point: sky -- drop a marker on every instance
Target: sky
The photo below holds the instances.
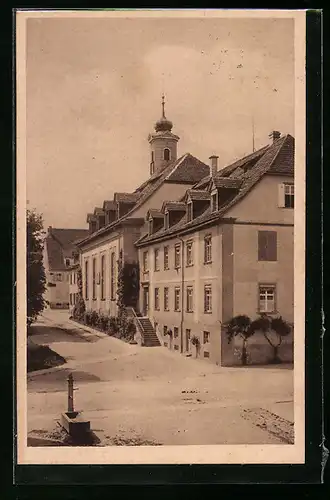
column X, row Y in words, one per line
column 93, row 92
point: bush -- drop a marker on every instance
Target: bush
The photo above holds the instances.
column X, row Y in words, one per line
column 103, row 322
column 113, row 325
column 94, row 318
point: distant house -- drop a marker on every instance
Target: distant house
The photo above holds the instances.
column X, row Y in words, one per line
column 224, row 249
column 73, row 285
column 115, row 226
column 60, row 254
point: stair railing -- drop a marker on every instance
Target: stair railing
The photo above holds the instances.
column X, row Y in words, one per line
column 138, row 324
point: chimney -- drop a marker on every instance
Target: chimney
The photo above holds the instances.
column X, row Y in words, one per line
column 50, row 228
column 213, row 165
column 274, row 135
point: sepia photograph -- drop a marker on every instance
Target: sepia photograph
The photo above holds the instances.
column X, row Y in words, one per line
column 160, row 236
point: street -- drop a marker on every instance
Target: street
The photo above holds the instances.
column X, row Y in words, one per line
column 141, row 395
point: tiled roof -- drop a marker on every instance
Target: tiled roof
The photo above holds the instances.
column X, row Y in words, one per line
column 98, row 211
column 174, row 205
column 270, row 161
column 227, row 182
column 60, row 243
column 190, row 169
column 187, row 169
column 198, row 195
column 126, row 197
column 155, row 214
column 109, row 205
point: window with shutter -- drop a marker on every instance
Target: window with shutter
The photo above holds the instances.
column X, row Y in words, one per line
column 267, row 245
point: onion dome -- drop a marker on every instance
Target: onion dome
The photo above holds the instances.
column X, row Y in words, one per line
column 163, row 125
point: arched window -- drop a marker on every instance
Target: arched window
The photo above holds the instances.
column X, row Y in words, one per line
column 167, row 154
column 152, row 163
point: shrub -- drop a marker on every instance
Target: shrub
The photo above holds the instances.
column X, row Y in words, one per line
column 267, row 325
column 113, row 325
column 240, row 326
column 196, row 342
column 94, row 318
column 102, row 322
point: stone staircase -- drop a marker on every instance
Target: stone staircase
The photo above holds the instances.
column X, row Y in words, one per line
column 145, row 327
column 150, row 338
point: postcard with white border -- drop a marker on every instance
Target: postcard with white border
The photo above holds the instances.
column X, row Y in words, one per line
column 160, row 236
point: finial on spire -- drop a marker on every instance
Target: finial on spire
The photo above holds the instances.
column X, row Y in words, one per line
column 163, row 105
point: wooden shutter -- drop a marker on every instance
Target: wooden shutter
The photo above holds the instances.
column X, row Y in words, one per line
column 281, row 196
column 267, row 245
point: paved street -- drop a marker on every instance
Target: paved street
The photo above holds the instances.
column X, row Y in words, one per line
column 135, row 394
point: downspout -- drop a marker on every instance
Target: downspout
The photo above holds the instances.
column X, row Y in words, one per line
column 182, row 295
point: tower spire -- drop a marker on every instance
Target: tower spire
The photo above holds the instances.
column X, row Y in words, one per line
column 163, row 106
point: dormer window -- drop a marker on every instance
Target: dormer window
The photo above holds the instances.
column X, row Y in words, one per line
column 189, row 211
column 214, row 202
column 166, row 220
column 150, row 226
column 167, row 154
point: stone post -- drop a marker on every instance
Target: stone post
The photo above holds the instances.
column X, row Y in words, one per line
column 70, row 393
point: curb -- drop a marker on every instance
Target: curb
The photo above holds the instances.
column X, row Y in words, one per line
column 35, row 373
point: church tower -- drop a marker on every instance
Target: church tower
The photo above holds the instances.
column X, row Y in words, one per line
column 163, row 144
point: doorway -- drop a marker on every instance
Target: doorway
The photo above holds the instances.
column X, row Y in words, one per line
column 145, row 301
column 188, row 333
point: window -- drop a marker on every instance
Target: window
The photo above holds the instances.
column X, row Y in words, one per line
column 289, row 195
column 150, row 226
column 157, row 299
column 267, row 298
column 177, row 256
column 267, row 245
column 167, row 154
column 165, row 330
column 189, row 252
column 71, row 278
column 67, row 262
column 286, row 195
column 166, row 220
column 190, row 295
column 156, row 255
column 70, row 299
column 177, row 299
column 86, row 279
column 113, row 275
column 206, row 337
column 207, row 249
column 189, row 211
column 166, row 299
column 74, row 278
column 214, row 202
column 94, row 278
column 145, row 262
column 103, row 277
column 58, row 277
column 188, row 334
column 176, row 332
column 207, row 298
column 166, row 266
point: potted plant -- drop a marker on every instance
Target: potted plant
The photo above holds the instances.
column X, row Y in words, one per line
column 196, row 342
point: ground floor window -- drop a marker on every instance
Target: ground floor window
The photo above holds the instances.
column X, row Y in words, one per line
column 188, row 335
column 176, row 332
column 267, row 298
column 206, row 337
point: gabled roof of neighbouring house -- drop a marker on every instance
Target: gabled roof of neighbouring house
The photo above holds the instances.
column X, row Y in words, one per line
column 187, row 170
column 277, row 158
column 61, row 243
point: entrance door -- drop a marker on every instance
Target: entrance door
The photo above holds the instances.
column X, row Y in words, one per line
column 187, row 340
column 145, row 300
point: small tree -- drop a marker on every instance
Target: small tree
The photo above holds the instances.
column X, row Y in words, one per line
column 122, row 314
column 80, row 306
column 196, row 342
column 240, row 326
column 36, row 278
column 268, row 325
